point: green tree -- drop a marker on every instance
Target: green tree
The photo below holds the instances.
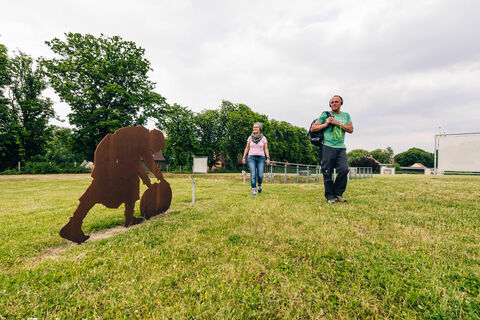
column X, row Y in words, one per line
column 366, row 163
column 290, row 143
column 59, row 148
column 380, row 155
column 8, row 136
column 307, row 152
column 210, row 133
column 182, row 143
column 414, row 155
column 237, row 120
column 105, row 82
column 357, row 154
column 32, row 112
column 390, row 153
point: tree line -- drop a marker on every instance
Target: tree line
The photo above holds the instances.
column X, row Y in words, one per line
column 105, row 82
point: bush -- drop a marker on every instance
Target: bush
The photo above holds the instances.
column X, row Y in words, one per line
column 41, row 167
column 397, row 167
column 224, row 170
column 9, row 171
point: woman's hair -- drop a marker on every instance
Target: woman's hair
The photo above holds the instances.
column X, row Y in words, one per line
column 259, row 125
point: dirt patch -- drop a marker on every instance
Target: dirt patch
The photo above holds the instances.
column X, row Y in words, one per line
column 57, row 252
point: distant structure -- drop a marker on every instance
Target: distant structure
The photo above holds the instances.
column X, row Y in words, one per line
column 418, row 167
column 457, row 153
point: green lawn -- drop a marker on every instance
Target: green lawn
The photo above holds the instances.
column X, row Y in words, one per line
column 402, row 247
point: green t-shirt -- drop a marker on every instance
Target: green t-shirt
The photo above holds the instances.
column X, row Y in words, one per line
column 333, row 135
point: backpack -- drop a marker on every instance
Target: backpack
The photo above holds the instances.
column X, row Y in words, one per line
column 316, row 138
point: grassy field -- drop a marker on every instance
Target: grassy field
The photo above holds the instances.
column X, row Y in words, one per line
column 402, row 247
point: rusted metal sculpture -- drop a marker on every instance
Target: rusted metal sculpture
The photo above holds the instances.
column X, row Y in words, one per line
column 116, row 172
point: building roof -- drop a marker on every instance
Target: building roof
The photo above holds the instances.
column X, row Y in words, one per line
column 417, row 165
column 158, row 156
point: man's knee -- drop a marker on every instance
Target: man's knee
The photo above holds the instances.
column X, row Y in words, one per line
column 342, row 171
column 327, row 174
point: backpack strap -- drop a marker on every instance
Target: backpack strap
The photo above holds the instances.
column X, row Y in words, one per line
column 328, row 116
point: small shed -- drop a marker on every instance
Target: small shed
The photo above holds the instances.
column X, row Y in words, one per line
column 159, row 160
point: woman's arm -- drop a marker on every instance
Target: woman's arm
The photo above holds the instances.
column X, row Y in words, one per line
column 267, row 153
column 245, row 151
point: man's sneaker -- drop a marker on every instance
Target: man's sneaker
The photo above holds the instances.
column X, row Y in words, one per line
column 340, row 199
column 259, row 189
column 330, row 201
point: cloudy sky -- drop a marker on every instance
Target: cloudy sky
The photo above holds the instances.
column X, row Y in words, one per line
column 406, row 69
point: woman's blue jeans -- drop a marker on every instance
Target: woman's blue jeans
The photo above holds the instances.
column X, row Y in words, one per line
column 256, row 166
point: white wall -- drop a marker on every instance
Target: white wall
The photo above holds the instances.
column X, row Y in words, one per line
column 459, row 152
column 200, row 165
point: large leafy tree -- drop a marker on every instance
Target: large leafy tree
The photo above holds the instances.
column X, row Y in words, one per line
column 8, row 138
column 366, row 162
column 357, row 154
column 237, row 121
column 182, row 143
column 210, row 133
column 59, row 148
column 31, row 111
column 290, row 143
column 105, row 82
column 380, row 155
column 413, row 155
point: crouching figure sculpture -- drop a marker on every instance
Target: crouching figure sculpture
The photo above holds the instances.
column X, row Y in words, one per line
column 116, row 172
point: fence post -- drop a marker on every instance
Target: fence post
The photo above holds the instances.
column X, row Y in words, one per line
column 271, row 172
column 316, row 173
column 285, row 173
column 297, row 174
column 308, row 174
column 193, row 190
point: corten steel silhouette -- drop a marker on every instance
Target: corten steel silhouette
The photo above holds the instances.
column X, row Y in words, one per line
column 116, row 172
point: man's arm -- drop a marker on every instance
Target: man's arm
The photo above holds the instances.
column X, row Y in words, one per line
column 345, row 127
column 317, row 126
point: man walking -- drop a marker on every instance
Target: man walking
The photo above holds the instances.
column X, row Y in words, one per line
column 334, row 154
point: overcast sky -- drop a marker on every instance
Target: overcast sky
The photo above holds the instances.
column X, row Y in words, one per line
column 406, row 69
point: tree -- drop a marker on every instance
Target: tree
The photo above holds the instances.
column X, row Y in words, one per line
column 105, row 82
column 357, row 154
column 414, row 155
column 380, row 155
column 181, row 139
column 366, row 163
column 8, row 138
column 390, row 153
column 237, row 120
column 31, row 111
column 59, row 148
column 210, row 133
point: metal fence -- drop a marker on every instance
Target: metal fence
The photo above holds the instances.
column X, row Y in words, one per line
column 284, row 172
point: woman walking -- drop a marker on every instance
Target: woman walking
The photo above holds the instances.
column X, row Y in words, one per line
column 257, row 149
